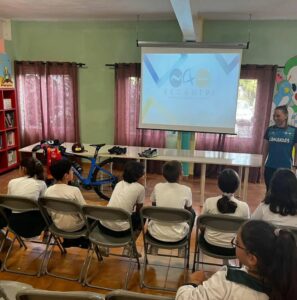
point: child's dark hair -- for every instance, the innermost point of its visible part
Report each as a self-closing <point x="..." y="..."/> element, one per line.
<point x="133" y="170"/>
<point x="172" y="170"/>
<point x="276" y="254"/>
<point x="33" y="167"/>
<point x="282" y="193"/>
<point x="59" y="168"/>
<point x="228" y="183"/>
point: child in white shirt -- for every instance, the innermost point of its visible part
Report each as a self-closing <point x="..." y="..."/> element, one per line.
<point x="62" y="173"/>
<point x="171" y="194"/>
<point x="269" y="257"/>
<point x="31" y="185"/>
<point x="280" y="204"/>
<point x="226" y="204"/>
<point x="129" y="195"/>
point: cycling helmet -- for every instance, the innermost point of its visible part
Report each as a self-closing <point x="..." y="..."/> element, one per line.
<point x="78" y="148"/>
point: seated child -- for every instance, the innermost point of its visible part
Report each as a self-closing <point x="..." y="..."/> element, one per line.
<point x="280" y="204"/>
<point x="269" y="258"/>
<point x="31" y="185"/>
<point x="128" y="194"/>
<point x="226" y="204"/>
<point x="62" y="173"/>
<point x="174" y="195"/>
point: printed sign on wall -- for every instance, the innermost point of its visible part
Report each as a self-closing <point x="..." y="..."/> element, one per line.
<point x="6" y="78"/>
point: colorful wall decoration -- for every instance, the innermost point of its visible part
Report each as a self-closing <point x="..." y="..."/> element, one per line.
<point x="286" y="89"/>
<point x="6" y="78"/>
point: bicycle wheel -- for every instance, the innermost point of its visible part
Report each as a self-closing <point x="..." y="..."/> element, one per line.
<point x="104" y="190"/>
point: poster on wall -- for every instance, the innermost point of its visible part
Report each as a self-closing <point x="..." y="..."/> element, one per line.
<point x="285" y="92"/>
<point x="6" y="78"/>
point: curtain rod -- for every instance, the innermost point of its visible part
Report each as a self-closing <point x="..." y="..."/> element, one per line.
<point x="80" y="65"/>
<point x="116" y="65"/>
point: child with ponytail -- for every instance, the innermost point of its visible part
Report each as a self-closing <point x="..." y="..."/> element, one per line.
<point x="31" y="185"/>
<point x="226" y="204"/>
<point x="269" y="257"/>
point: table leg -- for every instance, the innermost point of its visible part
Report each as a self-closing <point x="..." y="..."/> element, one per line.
<point x="245" y="183"/>
<point x="238" y="192"/>
<point x="202" y="183"/>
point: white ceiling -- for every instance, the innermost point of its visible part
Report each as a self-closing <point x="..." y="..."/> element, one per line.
<point x="145" y="9"/>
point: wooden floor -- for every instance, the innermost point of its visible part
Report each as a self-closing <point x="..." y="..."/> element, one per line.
<point x="111" y="272"/>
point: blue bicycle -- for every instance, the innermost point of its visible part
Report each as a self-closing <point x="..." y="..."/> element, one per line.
<point x="99" y="178"/>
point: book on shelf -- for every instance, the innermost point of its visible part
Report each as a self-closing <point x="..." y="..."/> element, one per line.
<point x="10" y="138"/>
<point x="1" y="141"/>
<point x="9" y="119"/>
<point x="11" y="157"/>
<point x="7" y="103"/>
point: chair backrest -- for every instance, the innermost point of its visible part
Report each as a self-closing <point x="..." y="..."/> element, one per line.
<point x="47" y="204"/>
<point x="221" y="223"/>
<point x="127" y="295"/>
<point x="18" y="203"/>
<point x="35" y="294"/>
<point x="105" y="213"/>
<point x="165" y="214"/>
<point x="9" y="288"/>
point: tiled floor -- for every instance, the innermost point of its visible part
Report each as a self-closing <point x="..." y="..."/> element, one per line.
<point x="162" y="271"/>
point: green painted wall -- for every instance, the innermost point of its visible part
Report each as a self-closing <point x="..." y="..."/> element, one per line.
<point x="99" y="43"/>
<point x="272" y="42"/>
<point x="95" y="44"/>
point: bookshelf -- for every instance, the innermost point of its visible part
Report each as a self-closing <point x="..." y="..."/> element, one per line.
<point x="9" y="131"/>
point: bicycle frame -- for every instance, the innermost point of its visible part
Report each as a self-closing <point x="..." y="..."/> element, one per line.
<point x="89" y="179"/>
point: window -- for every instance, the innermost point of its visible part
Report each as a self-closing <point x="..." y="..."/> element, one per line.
<point x="246" y="107"/>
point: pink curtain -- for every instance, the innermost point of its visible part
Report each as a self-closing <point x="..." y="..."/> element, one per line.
<point x="127" y="95"/>
<point x="48" y="101"/>
<point x="265" y="76"/>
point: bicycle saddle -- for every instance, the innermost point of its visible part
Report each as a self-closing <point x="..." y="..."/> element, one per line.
<point x="36" y="148"/>
<point x="97" y="145"/>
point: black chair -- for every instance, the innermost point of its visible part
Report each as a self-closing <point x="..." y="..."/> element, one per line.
<point x="127" y="295"/>
<point x="36" y="294"/>
<point x="170" y="216"/>
<point x="98" y="238"/>
<point x="18" y="205"/>
<point x="220" y="223"/>
<point x="48" y="205"/>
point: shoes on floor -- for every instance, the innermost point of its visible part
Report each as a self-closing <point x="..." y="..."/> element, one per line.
<point x="152" y="250"/>
<point x="181" y="252"/>
<point x="104" y="251"/>
<point x="126" y="252"/>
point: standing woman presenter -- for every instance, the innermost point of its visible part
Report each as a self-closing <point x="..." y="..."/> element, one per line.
<point x="279" y="140"/>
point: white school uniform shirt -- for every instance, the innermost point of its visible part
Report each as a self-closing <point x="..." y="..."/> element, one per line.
<point x="125" y="195"/>
<point x="66" y="222"/>
<point x="223" y="239"/>
<point x="28" y="187"/>
<point x="263" y="212"/>
<point x="172" y="195"/>
<point x="218" y="287"/>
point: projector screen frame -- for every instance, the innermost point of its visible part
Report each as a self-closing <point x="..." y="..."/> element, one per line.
<point x="179" y="127"/>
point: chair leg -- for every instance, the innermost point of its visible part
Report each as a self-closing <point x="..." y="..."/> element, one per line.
<point x="195" y="258"/>
<point x="82" y="271"/>
<point x="88" y="263"/>
<point x="4" y="240"/>
<point x="3" y="267"/>
<point x="98" y="254"/>
<point x="45" y="257"/>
